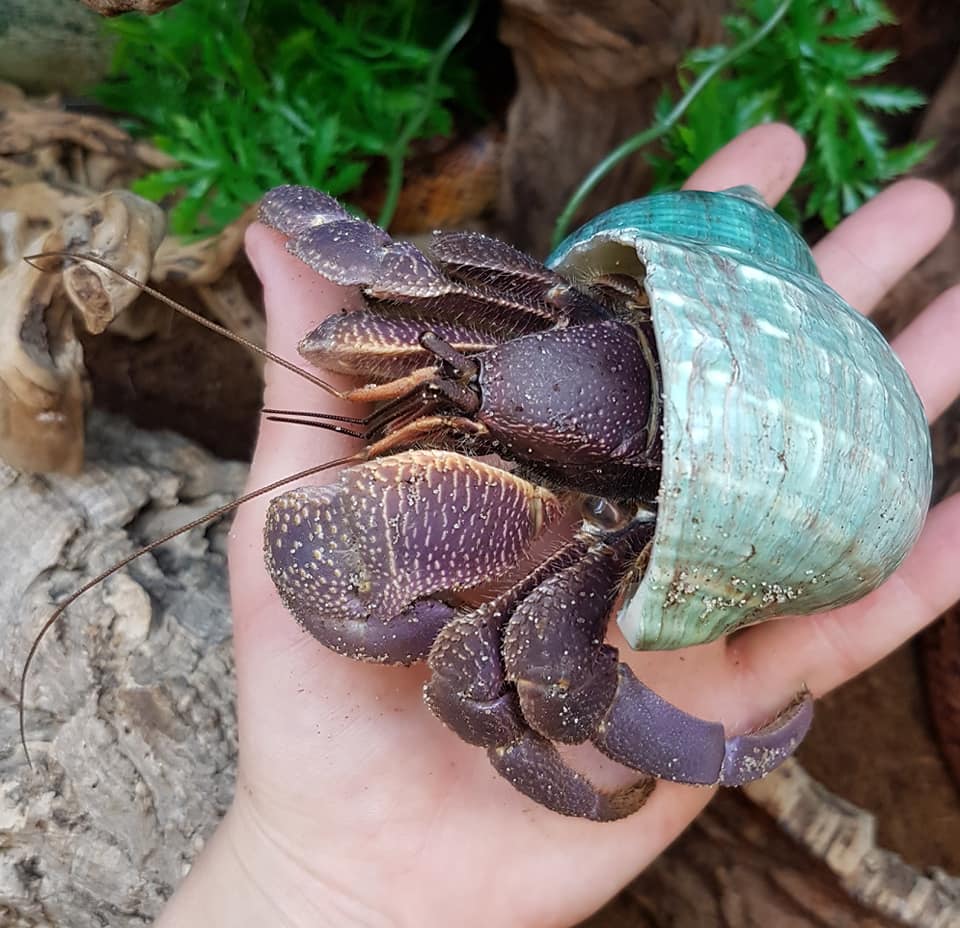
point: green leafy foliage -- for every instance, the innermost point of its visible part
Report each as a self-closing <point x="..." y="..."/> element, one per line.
<point x="808" y="72"/>
<point x="249" y="94"/>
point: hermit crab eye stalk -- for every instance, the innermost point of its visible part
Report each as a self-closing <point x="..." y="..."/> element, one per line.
<point x="604" y="513"/>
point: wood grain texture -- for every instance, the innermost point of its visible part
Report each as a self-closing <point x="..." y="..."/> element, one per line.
<point x="588" y="76"/>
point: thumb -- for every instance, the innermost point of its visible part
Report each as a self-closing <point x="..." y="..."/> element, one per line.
<point x="296" y="300"/>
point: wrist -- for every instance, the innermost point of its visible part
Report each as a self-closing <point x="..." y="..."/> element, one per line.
<point x="244" y="878"/>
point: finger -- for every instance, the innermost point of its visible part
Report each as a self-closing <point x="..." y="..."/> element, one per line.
<point x="929" y="348"/>
<point x="823" y="651"/>
<point x="873" y="248"/>
<point x="767" y="157"/>
<point x="297" y="300"/>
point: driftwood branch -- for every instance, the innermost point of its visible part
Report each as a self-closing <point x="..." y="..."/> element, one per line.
<point x="43" y="384"/>
<point x="844" y="837"/>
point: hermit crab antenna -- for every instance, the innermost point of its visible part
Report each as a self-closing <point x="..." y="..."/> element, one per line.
<point x="307" y="414"/>
<point x="189" y="313"/>
<point x="146" y="549"/>
<point x="316" y="424"/>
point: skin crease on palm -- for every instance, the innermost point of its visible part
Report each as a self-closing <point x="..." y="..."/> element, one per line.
<point x="354" y="805"/>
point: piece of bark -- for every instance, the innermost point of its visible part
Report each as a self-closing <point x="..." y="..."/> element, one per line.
<point x="844" y="837"/>
<point x="588" y="77"/>
<point x="130" y="704"/>
<point x="49" y="45"/>
<point x="447" y="184"/>
<point x="43" y="384"/>
<point x="227" y="302"/>
<point x="116" y="7"/>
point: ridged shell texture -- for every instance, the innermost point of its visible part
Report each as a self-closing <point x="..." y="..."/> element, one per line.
<point x="796" y="456"/>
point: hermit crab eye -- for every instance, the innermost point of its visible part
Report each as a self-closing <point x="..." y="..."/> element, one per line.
<point x="603" y="513"/>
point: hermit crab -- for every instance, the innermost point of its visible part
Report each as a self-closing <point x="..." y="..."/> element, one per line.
<point x="740" y="443"/>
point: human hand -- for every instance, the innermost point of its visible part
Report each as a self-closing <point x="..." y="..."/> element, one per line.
<point x="354" y="805"/>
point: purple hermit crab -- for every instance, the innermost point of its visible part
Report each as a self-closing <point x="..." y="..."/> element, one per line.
<point x="740" y="442"/>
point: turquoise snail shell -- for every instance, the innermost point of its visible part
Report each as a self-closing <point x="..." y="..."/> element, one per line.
<point x="796" y="455"/>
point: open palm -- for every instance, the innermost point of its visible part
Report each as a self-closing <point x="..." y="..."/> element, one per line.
<point x="355" y="805"/>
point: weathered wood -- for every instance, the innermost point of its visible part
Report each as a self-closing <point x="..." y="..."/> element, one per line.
<point x="50" y="45"/>
<point x="588" y="76"/>
<point x="116" y="7"/>
<point x="734" y="869"/>
<point x="844" y="837"/>
<point x="130" y="713"/>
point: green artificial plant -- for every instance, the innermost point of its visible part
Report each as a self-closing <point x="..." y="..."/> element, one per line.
<point x="797" y="61"/>
<point x="812" y="73"/>
<point x="249" y="94"/>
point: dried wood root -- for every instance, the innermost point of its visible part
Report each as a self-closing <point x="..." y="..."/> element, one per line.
<point x="843" y="836"/>
<point x="43" y="386"/>
<point x="53" y="167"/>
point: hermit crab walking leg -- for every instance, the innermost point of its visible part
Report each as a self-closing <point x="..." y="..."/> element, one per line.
<point x="469" y="691"/>
<point x="558" y="681"/>
<point x="572" y="688"/>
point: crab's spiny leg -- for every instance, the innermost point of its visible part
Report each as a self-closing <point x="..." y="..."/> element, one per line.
<point x="407" y="281"/>
<point x="534" y="766"/>
<point x="379" y="346"/>
<point x="468" y="690"/>
<point x="398" y="276"/>
<point x="364" y="563"/>
<point x="291" y="209"/>
<point x="571" y="687"/>
<point x="488" y="262"/>
<point x="553" y="648"/>
<point x="354" y="252"/>
<point x="479" y="259"/>
<point x="752" y="755"/>
<point x="644" y="731"/>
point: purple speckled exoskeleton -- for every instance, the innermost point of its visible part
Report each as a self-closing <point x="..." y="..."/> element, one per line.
<point x="591" y="387"/>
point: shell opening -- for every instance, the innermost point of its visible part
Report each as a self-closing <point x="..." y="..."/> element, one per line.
<point x="602" y="258"/>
